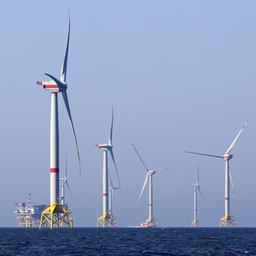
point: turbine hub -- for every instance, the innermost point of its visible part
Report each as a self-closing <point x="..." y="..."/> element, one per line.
<point x="228" y="157"/>
<point x="195" y="185"/>
<point x="104" y="146"/>
<point x="150" y="172"/>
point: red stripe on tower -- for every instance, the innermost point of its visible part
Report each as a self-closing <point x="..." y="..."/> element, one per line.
<point x="54" y="170"/>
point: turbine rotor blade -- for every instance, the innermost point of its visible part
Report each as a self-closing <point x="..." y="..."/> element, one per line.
<point x="164" y="169"/>
<point x="232" y="183"/>
<point x="66" y="176"/>
<point x="198" y="181"/>
<point x="63" y="73"/>
<point x="65" y="98"/>
<point x="61" y="85"/>
<point x="144" y="185"/>
<point x="111" y="128"/>
<point x="198" y="172"/>
<point x="69" y="190"/>
<point x="202" y="154"/>
<point x="200" y="192"/>
<point x="237" y="137"/>
<point x="111" y="182"/>
<point x="66" y="168"/>
<point x="140" y="157"/>
<point x="113" y="159"/>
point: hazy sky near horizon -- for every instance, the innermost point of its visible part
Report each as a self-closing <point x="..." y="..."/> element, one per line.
<point x="180" y="75"/>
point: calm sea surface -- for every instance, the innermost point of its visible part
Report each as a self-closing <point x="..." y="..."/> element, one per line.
<point x="128" y="241"/>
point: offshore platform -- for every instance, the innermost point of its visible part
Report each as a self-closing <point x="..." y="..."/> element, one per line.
<point x="28" y="215"/>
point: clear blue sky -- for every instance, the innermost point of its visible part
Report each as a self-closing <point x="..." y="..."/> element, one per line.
<point x="181" y="76"/>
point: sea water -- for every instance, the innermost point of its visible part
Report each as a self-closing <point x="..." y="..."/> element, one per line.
<point x="128" y="241"/>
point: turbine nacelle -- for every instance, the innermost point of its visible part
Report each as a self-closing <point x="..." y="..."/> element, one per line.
<point x="104" y="146"/>
<point x="49" y="85"/>
<point x="54" y="85"/>
<point x="151" y="172"/>
<point x="195" y="185"/>
<point x="227" y="157"/>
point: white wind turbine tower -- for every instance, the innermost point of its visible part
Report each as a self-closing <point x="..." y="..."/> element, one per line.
<point x="56" y="214"/>
<point x="64" y="183"/>
<point x="107" y="219"/>
<point x="150" y="221"/>
<point x="228" y="219"/>
<point x="111" y="191"/>
<point x="196" y="188"/>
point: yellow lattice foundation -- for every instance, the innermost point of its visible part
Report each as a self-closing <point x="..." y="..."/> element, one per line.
<point x="106" y="220"/>
<point x="195" y="224"/>
<point x="56" y="215"/>
<point x="227" y="221"/>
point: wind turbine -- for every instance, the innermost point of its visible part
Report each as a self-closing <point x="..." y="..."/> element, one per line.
<point x="64" y="183"/>
<point x="110" y="202"/>
<point x="228" y="219"/>
<point x="196" y="187"/>
<point x="107" y="218"/>
<point x="150" y="221"/>
<point x="111" y="191"/>
<point x="56" y="214"/>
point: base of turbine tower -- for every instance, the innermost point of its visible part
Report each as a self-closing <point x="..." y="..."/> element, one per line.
<point x="56" y="216"/>
<point x="106" y="221"/>
<point x="149" y="223"/>
<point x="227" y="221"/>
<point x="195" y="224"/>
